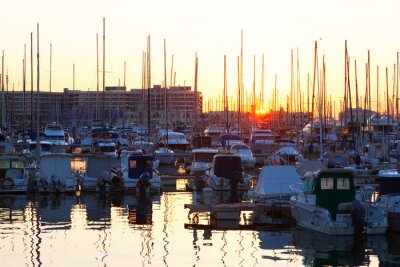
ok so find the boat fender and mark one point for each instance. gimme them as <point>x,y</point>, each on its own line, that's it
<point>7,183</point>
<point>358,217</point>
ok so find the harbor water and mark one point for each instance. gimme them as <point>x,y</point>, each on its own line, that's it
<point>155,230</point>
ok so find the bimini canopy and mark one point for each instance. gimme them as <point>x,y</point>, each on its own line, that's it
<point>288,150</point>
<point>227,166</point>
<point>228,138</point>
<point>96,164</point>
<point>139,164</point>
<point>57,165</point>
<point>389,182</point>
<point>274,181</point>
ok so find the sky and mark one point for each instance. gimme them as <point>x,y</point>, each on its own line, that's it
<point>210,28</point>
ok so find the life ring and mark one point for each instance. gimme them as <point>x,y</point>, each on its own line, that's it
<point>7,183</point>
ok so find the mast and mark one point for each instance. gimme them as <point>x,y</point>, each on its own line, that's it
<point>253,99</point>
<point>299,91</point>
<point>143,86</point>
<point>238,92</point>
<point>195,92</point>
<point>313,88</point>
<point>397,87</point>
<point>262,82</point>
<point>308,94</point>
<point>104,69</point>
<point>50,66</point>
<point>393,93</point>
<point>226,98</point>
<point>387,99</point>
<point>97,76</point>
<point>291,97</point>
<point>3,100</point>
<point>357,105</point>
<point>38,148</point>
<point>377,89</point>
<point>24,89</point>
<point>32,117</point>
<point>73,90</point>
<point>241,79</point>
<point>51,102</point>
<point>165,91</point>
<point>124,73</point>
<point>172,71</point>
<point>148,89</point>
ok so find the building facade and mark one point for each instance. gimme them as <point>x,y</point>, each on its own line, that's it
<point>115,105</point>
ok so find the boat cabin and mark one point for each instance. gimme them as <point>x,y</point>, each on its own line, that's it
<point>11,167</point>
<point>331,187</point>
<point>230,140</point>
<point>227,166</point>
<point>96,164</point>
<point>389,182</point>
<point>201,141</point>
<point>138,164</point>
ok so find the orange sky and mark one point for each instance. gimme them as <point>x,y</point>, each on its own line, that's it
<point>210,28</point>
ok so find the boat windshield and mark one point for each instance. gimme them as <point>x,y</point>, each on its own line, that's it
<point>308,186</point>
<point>43,147</point>
<point>107,149</point>
<point>7,164</point>
<point>264,137</point>
<point>203,157</point>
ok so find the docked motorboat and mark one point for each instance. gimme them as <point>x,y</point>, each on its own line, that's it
<point>214,131</point>
<point>389,196</point>
<point>229,140</point>
<point>146,146</point>
<point>274,183</point>
<point>55,135</point>
<point>202,160</point>
<point>107,148</point>
<point>99,175</point>
<point>327,204</point>
<point>45,148</point>
<point>273,190</point>
<point>55,174</point>
<point>226,173</point>
<point>290,153</point>
<point>246,155</point>
<point>6,145</point>
<point>13,177</point>
<point>173,140</point>
<point>125,153</point>
<point>165,155</point>
<point>262,136</point>
<point>140,174</point>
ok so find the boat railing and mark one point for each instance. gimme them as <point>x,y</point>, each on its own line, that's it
<point>296,189</point>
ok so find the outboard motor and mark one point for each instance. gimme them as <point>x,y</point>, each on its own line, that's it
<point>103,180</point>
<point>116,180</point>
<point>358,218</point>
<point>234,179</point>
<point>144,181</point>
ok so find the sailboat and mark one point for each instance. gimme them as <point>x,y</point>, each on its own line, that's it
<point>164,154</point>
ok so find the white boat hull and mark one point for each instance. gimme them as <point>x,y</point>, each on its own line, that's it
<point>318,219</point>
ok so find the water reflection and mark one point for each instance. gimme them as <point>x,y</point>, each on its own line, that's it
<point>320,250</point>
<point>134,230</point>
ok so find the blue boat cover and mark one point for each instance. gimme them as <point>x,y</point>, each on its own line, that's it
<point>139,164</point>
